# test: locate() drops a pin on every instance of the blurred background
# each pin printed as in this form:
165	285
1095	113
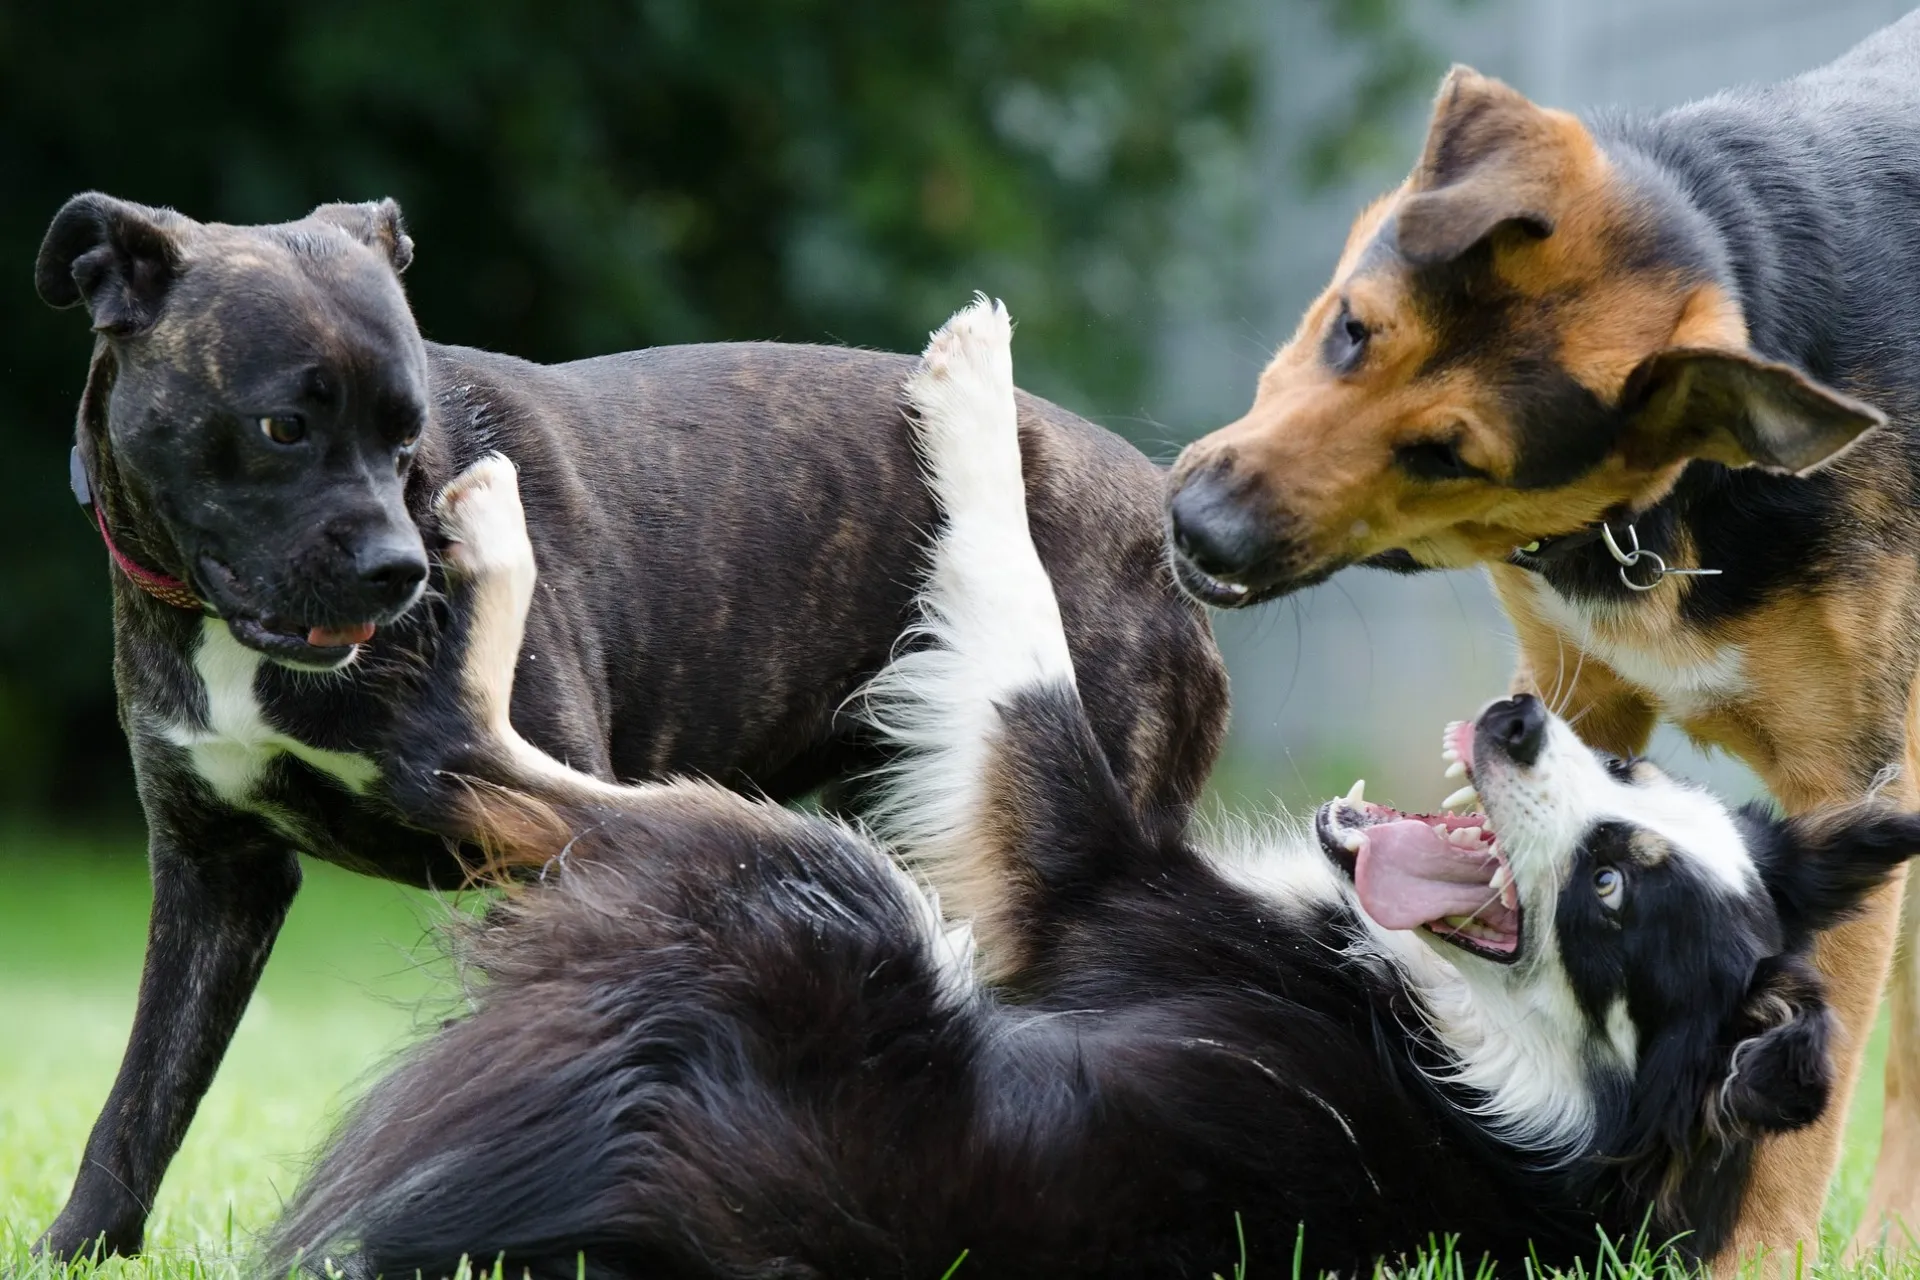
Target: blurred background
1156	187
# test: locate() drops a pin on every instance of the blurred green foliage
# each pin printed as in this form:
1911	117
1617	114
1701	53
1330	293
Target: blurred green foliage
586	177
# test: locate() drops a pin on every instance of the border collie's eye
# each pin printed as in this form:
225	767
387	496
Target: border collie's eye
285	428
1346	342
1435	460
1610	884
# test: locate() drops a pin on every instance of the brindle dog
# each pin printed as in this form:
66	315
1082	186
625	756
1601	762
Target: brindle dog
1584	351
728	536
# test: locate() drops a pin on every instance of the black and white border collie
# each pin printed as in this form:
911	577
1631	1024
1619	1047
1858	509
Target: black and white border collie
723	1039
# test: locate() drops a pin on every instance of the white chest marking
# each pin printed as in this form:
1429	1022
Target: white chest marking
238	744
1686	675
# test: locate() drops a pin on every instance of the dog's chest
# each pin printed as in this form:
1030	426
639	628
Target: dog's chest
231	743
1688	675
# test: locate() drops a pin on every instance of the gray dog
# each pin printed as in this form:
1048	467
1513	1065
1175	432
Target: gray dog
728	539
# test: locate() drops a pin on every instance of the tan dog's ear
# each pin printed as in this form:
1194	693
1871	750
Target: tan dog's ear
1490	161
1734	408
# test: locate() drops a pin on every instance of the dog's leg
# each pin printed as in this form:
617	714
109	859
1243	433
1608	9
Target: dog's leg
1792	1174
1000	789
1892	1214
214	921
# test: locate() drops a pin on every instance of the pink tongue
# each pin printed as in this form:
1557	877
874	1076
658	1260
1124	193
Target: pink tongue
1407	876
323	638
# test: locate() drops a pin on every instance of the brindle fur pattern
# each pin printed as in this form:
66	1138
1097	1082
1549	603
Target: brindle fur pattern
728	539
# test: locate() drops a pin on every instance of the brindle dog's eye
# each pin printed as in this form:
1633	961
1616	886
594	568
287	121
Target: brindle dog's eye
1435	460
1610	884
1346	341
283	428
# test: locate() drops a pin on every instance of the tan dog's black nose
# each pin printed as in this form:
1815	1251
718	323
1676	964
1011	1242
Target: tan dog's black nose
1213	528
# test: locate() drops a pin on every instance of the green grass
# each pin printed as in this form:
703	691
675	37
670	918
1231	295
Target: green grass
351	980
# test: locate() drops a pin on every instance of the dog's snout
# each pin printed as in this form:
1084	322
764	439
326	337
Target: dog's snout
1213	527
390	569
1516	727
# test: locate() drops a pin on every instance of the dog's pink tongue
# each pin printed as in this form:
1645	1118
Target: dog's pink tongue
1408	875
330	637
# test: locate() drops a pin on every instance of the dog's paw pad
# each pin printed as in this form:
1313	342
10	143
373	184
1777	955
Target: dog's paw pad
480	515
978	339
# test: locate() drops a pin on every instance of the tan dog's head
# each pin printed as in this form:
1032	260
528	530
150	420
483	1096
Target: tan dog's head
1529	334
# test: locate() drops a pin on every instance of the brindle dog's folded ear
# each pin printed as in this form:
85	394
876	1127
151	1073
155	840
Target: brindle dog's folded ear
377	224
1489	162
1735	408
117	257
1779	1074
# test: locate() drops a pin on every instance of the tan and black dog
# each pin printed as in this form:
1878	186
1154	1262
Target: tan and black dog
1589	353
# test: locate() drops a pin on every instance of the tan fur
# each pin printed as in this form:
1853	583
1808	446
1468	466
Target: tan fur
1818	679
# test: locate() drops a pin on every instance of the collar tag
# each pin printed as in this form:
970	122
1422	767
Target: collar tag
77	479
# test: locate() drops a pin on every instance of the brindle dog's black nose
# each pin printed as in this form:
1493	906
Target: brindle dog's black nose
1213	529
1517	726
390	570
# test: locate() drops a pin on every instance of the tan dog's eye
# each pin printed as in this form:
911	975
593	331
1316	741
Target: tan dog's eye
1610	886
1346	342
1435	460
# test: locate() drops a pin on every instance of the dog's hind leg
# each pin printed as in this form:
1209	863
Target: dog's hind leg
1892	1214
1000	788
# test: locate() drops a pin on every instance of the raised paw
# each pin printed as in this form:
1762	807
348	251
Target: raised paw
480	515
964	415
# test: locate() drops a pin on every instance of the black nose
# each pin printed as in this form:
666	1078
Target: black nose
390	569
1516	727
1214	528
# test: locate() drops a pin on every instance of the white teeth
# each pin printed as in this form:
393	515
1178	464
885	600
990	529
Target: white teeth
1464	798
1352	841
1457	769
1358	794
1502	883
1458	922
1466	837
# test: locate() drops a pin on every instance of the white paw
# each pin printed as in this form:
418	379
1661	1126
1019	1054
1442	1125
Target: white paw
976	343
965	420
479	512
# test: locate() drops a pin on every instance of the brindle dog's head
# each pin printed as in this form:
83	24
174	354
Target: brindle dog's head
1527	335
256	399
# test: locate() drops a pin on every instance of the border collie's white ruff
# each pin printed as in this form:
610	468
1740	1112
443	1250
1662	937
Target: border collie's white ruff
722	1039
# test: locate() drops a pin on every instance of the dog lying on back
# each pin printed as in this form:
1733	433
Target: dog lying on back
728	536
1588	352
723	1039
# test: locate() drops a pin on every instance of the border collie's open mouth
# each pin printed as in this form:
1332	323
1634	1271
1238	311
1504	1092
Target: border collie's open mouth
1442	872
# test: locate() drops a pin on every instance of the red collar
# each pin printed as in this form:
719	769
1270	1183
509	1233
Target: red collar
158	585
